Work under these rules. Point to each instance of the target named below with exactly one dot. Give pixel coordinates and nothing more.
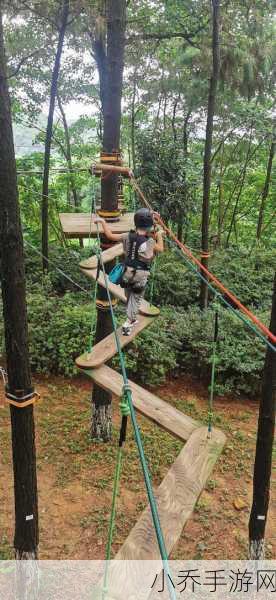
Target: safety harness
(132, 260)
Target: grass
(81, 473)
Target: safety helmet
(143, 218)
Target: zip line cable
(208, 275)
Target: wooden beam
(149, 405)
(107, 256)
(107, 348)
(145, 309)
(80, 225)
(111, 168)
(176, 498)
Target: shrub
(66, 259)
(59, 329)
(153, 354)
(250, 278)
(240, 354)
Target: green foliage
(59, 331)
(181, 341)
(62, 259)
(153, 354)
(240, 354)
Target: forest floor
(75, 476)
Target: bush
(240, 354)
(66, 259)
(59, 329)
(182, 341)
(153, 354)
(174, 284)
(250, 278)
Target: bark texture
(266, 189)
(109, 49)
(208, 146)
(15, 327)
(49, 133)
(264, 448)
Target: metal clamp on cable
(21, 399)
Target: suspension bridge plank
(145, 309)
(79, 225)
(146, 403)
(107, 256)
(107, 348)
(176, 498)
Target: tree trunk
(133, 122)
(247, 160)
(264, 450)
(265, 190)
(183, 208)
(49, 131)
(15, 326)
(220, 197)
(110, 62)
(208, 148)
(68, 152)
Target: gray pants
(134, 298)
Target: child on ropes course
(140, 247)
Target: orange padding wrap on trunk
(15, 400)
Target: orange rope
(208, 274)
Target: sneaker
(127, 327)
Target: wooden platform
(179, 491)
(78, 225)
(107, 348)
(176, 499)
(149, 405)
(107, 256)
(118, 292)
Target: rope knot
(124, 405)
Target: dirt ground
(75, 476)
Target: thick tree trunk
(110, 62)
(264, 449)
(265, 190)
(68, 153)
(49, 132)
(15, 326)
(208, 148)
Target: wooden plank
(107, 255)
(78, 225)
(116, 290)
(107, 348)
(149, 405)
(176, 498)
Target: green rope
(127, 390)
(212, 387)
(153, 271)
(93, 321)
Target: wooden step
(107, 256)
(176, 498)
(145, 309)
(149, 405)
(107, 348)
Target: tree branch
(21, 63)
(167, 36)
